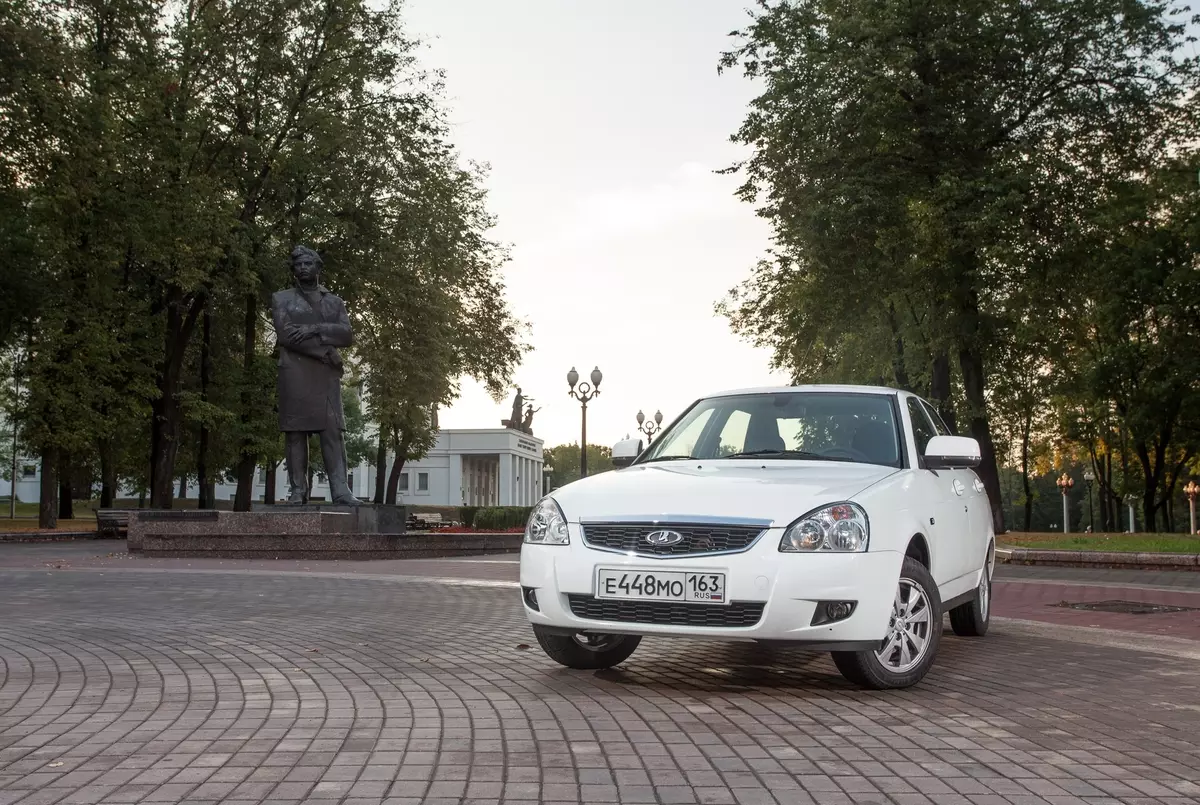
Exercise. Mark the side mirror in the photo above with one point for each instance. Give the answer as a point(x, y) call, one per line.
point(624, 452)
point(952, 453)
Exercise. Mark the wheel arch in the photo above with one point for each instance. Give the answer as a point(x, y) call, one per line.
point(918, 549)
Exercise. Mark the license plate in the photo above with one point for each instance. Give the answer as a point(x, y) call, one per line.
point(653, 585)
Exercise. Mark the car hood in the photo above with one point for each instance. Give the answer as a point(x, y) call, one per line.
point(779, 491)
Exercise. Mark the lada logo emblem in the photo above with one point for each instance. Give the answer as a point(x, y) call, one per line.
point(664, 538)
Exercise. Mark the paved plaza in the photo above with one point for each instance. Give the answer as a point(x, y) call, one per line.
point(126, 680)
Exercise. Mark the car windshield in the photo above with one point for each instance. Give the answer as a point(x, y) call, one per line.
point(810, 425)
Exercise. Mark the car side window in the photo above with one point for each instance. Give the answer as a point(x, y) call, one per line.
point(939, 424)
point(922, 430)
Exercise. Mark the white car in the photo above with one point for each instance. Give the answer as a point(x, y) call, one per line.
point(834, 518)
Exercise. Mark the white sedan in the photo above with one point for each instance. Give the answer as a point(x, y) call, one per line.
point(836, 518)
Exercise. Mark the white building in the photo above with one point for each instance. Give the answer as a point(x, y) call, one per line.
point(471, 467)
point(29, 479)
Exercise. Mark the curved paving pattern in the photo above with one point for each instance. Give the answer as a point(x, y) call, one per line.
point(122, 687)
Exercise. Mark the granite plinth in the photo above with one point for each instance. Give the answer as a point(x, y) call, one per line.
point(339, 545)
point(370, 518)
point(281, 523)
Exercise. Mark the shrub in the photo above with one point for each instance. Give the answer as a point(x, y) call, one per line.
point(502, 517)
point(466, 515)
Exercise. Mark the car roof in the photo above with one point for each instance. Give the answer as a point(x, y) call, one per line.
point(817, 387)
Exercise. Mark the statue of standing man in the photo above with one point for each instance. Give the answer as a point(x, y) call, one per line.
point(310, 324)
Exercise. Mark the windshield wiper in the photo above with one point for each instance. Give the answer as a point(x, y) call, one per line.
point(786, 454)
point(670, 458)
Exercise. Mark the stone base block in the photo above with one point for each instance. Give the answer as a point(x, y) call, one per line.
point(326, 546)
point(369, 517)
point(282, 523)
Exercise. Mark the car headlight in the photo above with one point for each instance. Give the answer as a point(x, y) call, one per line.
point(840, 528)
point(546, 525)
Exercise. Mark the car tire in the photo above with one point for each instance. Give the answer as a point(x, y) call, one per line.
point(915, 623)
point(586, 652)
point(972, 618)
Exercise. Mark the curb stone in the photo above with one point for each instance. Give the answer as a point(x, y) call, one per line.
point(42, 536)
point(1104, 559)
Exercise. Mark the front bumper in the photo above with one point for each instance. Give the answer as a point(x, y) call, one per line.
point(788, 588)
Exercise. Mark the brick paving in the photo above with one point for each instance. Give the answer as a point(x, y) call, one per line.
point(160, 687)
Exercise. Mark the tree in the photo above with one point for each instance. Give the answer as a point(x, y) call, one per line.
point(158, 162)
point(1139, 319)
point(914, 159)
point(564, 460)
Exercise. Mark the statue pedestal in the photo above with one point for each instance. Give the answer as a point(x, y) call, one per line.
point(310, 531)
point(369, 518)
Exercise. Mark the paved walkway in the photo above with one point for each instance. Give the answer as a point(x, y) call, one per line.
point(126, 681)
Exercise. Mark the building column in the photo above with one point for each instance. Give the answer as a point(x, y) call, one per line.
point(505, 481)
point(455, 494)
point(514, 487)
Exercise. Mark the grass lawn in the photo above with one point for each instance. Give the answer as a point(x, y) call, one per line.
point(1133, 543)
point(27, 513)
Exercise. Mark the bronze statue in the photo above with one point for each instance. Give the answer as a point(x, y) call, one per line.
point(310, 324)
point(527, 425)
point(518, 404)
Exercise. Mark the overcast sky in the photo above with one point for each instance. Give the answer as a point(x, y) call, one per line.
point(603, 124)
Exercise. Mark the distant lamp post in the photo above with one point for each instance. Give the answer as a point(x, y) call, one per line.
point(650, 427)
point(1191, 490)
point(1131, 499)
point(584, 392)
point(1065, 483)
point(1090, 477)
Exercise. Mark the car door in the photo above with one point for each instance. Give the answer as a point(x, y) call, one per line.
point(979, 508)
point(944, 492)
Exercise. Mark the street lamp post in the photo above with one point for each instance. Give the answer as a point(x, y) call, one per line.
point(584, 392)
point(650, 427)
point(1065, 483)
point(1090, 476)
point(1131, 499)
point(1191, 490)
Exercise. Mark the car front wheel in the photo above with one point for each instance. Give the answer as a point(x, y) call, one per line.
point(586, 652)
point(914, 632)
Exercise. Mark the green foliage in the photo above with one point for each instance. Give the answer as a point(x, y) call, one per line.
point(502, 517)
point(924, 168)
point(563, 462)
point(466, 515)
point(158, 162)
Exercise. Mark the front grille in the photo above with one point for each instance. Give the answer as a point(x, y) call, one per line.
point(666, 613)
point(696, 538)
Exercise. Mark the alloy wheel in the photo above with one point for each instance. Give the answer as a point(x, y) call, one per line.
point(908, 628)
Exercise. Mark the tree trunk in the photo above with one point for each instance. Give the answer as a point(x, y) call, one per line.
point(381, 469)
point(205, 500)
point(1025, 431)
point(165, 409)
point(393, 484)
point(270, 480)
point(66, 507)
point(108, 474)
point(248, 460)
point(940, 391)
point(48, 504)
point(899, 367)
point(1152, 473)
point(974, 384)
